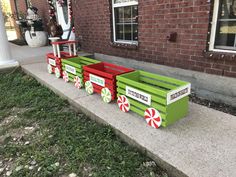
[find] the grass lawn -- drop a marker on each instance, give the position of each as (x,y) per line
(41,135)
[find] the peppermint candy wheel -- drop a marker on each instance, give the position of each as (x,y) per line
(78,83)
(123,103)
(57,72)
(50,69)
(89,87)
(65,76)
(153,117)
(106,95)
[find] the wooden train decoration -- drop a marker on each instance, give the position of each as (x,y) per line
(54,59)
(101,78)
(73,69)
(159,99)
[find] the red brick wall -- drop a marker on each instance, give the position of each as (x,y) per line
(157,18)
(189,18)
(43,9)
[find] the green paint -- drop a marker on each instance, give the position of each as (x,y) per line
(77,63)
(158,87)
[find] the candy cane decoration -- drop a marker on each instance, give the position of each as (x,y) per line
(106,95)
(57,72)
(153,117)
(50,69)
(89,87)
(65,76)
(78,83)
(123,103)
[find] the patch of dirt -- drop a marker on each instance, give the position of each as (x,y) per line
(87,170)
(14,112)
(7,120)
(7,165)
(17,136)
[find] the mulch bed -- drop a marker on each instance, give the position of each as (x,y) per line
(214,105)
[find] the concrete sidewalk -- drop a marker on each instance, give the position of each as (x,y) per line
(27,55)
(201,145)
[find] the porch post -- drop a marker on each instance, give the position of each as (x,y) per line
(6,60)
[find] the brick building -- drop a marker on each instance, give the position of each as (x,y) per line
(145,30)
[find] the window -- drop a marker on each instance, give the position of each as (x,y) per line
(223,33)
(125,21)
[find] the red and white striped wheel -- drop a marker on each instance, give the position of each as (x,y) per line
(65,76)
(123,103)
(78,83)
(153,117)
(57,72)
(50,70)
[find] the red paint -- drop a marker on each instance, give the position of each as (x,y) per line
(107,71)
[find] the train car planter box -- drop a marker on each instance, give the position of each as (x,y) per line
(101,78)
(54,59)
(73,69)
(161,100)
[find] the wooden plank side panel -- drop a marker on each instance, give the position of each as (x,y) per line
(108,83)
(79,72)
(140,109)
(114,72)
(89,60)
(85,63)
(142,86)
(106,69)
(161,85)
(97,72)
(98,89)
(76,65)
(134,75)
(73,76)
(64,42)
(158,87)
(57,61)
(177,110)
(154,104)
(163,78)
(117,67)
(108,80)
(79,62)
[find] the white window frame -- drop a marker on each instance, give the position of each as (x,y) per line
(124,4)
(213,30)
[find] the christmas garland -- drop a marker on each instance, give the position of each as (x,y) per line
(52,9)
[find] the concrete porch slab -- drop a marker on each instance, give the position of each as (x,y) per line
(201,145)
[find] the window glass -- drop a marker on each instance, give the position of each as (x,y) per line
(225,37)
(126,22)
(124,1)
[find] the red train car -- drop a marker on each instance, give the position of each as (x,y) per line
(54,58)
(101,78)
